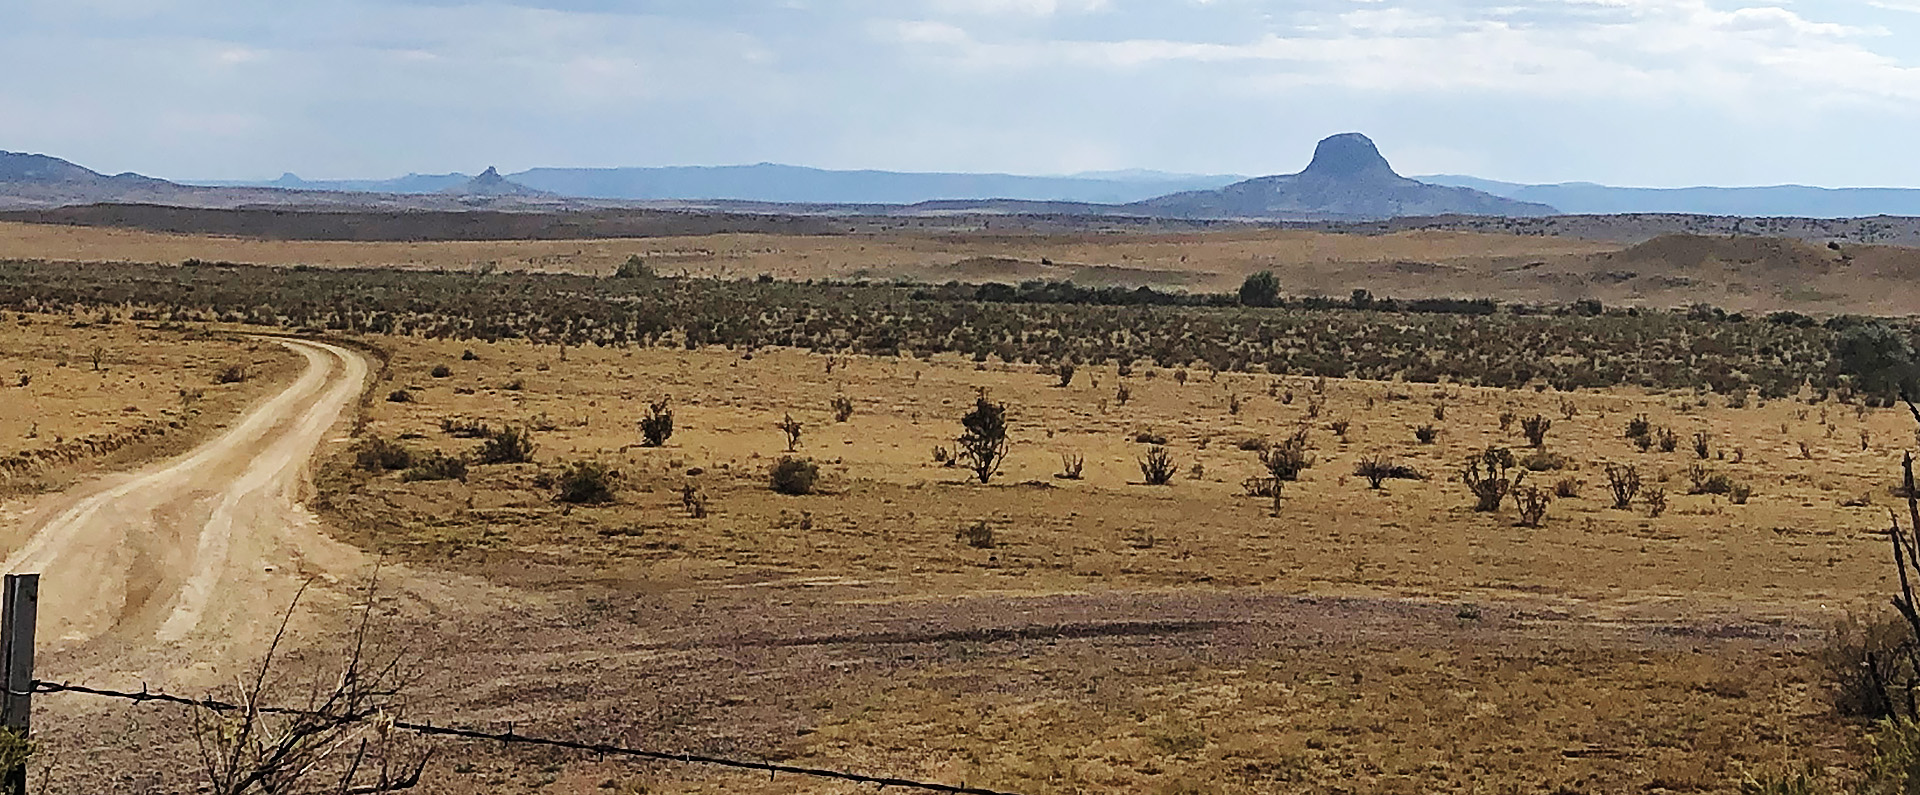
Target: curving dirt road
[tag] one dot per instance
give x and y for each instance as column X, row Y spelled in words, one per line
column 172, row 571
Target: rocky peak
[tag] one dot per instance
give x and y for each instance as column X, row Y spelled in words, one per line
column 1346, row 156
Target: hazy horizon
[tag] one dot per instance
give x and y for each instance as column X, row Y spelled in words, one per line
column 1641, row 93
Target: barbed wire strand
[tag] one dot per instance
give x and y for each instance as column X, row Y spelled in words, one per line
column 513, row 737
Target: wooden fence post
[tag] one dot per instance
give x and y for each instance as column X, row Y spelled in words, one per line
column 19, row 607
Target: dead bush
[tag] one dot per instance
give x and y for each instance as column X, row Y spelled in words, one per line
column 1285, row 461
column 1544, row 461
column 1532, row 501
column 1071, row 465
column 1623, row 480
column 1378, row 469
column 977, row 534
column 1491, row 477
column 1535, row 428
column 1157, row 466
column 1870, row 666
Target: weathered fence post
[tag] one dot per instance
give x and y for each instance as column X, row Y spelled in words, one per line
column 19, row 606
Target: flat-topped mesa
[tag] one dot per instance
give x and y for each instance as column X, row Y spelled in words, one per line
column 1346, row 156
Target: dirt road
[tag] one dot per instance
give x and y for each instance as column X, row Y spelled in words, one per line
column 171, row 571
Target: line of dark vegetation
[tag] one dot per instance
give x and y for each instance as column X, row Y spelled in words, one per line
column 1474, row 342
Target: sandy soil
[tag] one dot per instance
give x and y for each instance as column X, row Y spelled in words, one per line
column 1119, row 637
column 164, row 574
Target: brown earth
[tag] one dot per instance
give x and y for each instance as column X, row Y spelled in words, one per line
column 1113, row 636
column 1735, row 273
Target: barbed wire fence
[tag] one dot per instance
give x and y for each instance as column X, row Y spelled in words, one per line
column 512, row 737
column 20, row 601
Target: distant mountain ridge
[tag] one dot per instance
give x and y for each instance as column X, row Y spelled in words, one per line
column 21, row 168
column 1780, row 201
column 1347, row 179
column 773, row 182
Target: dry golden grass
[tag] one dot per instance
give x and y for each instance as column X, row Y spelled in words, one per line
column 1538, row 705
column 1747, row 274
column 1212, row 261
column 154, row 392
column 1529, row 703
column 1805, row 545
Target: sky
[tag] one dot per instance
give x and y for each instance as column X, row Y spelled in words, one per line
column 1626, row 92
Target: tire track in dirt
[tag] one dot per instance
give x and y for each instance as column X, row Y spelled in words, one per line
column 172, row 571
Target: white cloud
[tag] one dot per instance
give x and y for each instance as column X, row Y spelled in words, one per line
column 1629, row 48
column 1037, row 8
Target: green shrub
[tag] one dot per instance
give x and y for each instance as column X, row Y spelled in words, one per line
column 377, row 455
column 436, row 466
column 586, row 483
column 1893, row 768
column 978, row 535
column 1705, row 481
column 508, row 445
column 1638, row 427
column 1544, row 461
column 794, row 476
column 1260, row 289
column 441, row 371
column 633, row 268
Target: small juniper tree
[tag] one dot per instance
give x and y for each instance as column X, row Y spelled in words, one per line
column 983, row 439
column 1260, row 289
column 657, row 426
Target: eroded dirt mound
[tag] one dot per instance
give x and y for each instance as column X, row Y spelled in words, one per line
column 1740, row 253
